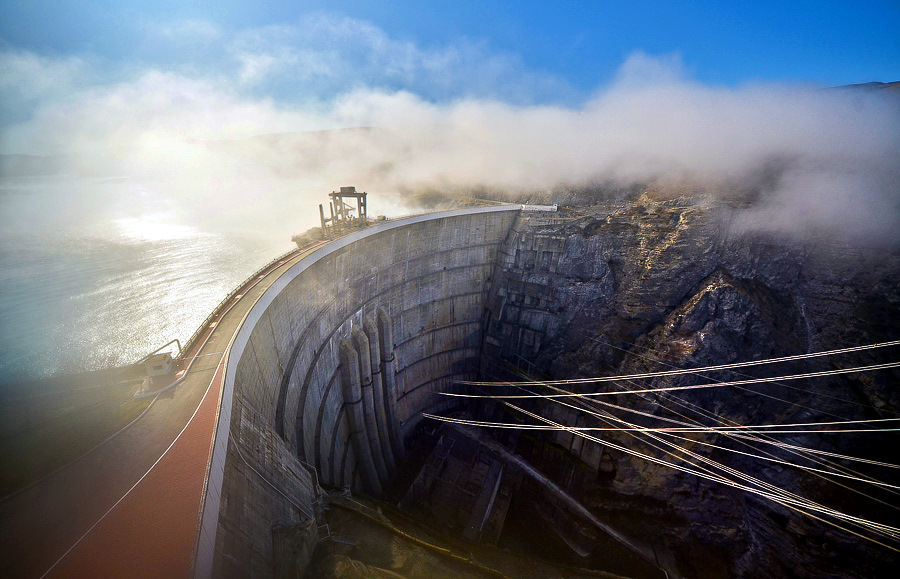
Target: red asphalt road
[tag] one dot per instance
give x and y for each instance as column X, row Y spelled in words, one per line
column 145, row 530
column 152, row 531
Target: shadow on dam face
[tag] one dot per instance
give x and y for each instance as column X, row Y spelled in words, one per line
column 328, row 378
column 335, row 364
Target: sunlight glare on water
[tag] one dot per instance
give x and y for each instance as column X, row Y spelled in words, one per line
column 153, row 227
column 94, row 273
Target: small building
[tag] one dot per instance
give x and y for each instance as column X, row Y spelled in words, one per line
column 159, row 364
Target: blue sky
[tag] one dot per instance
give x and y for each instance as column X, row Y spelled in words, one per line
column 312, row 56
column 580, row 44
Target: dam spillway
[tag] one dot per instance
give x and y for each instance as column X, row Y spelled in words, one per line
column 418, row 286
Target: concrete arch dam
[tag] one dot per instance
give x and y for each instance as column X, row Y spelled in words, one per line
column 334, row 365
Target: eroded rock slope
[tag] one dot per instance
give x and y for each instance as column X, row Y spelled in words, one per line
column 651, row 285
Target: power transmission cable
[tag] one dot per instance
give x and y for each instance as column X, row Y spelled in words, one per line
column 740, row 436
column 692, row 370
column 798, row 451
column 671, row 431
column 876, row 527
column 775, row 460
column 728, row 431
column 823, row 462
column 868, row 524
column 791, row 497
column 674, row 434
column 735, row 435
column 822, row 373
column 819, row 461
column 764, row 438
column 718, row 465
column 683, row 430
column 788, row 501
column 795, row 450
column 584, row 401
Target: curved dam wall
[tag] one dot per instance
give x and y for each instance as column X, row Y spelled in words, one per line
column 332, row 368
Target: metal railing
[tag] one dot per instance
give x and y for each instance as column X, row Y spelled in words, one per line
column 170, row 342
column 217, row 310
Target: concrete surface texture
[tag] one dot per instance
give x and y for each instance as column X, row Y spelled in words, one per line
column 332, row 368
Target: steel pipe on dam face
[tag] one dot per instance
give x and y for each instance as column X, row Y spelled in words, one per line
column 332, row 368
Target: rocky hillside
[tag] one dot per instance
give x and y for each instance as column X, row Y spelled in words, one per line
column 649, row 285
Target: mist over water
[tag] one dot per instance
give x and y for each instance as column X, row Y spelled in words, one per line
column 96, row 272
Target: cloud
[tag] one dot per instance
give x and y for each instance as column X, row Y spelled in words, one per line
column 28, row 79
column 816, row 160
column 184, row 29
column 155, row 107
column 854, row 203
column 327, row 54
column 641, row 70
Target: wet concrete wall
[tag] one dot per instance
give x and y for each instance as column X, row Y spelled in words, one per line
column 333, row 367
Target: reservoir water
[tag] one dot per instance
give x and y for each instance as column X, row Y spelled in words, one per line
column 95, row 272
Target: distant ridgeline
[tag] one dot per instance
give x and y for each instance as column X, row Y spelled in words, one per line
column 892, row 88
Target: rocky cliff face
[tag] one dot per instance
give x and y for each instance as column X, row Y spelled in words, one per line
column 652, row 285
